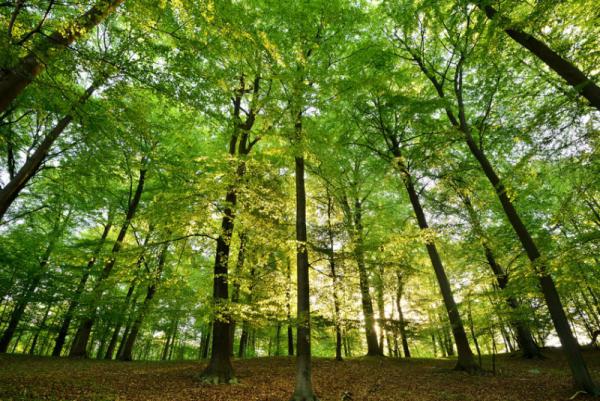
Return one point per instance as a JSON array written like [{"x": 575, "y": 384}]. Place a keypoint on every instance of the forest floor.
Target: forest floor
[{"x": 272, "y": 379}]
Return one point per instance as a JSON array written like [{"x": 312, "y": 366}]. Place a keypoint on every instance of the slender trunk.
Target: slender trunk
[
  {"x": 32, "y": 165},
  {"x": 303, "y": 390},
  {"x": 381, "y": 309},
  {"x": 335, "y": 279},
  {"x": 137, "y": 324},
  {"x": 570, "y": 346},
  {"x": 235, "y": 295},
  {"x": 243, "y": 340},
  {"x": 402, "y": 322},
  {"x": 39, "y": 330},
  {"x": 524, "y": 336},
  {"x": 76, "y": 298},
  {"x": 473, "y": 334},
  {"x": 17, "y": 313},
  {"x": 466, "y": 360},
  {"x": 290, "y": 332},
  {"x": 367, "y": 303},
  {"x": 78, "y": 348},
  {"x": 566, "y": 69},
  {"x": 278, "y": 339},
  {"x": 115, "y": 335},
  {"x": 206, "y": 343},
  {"x": 45, "y": 48},
  {"x": 581, "y": 375}
]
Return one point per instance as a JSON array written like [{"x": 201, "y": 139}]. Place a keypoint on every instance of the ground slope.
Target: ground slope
[{"x": 271, "y": 379}]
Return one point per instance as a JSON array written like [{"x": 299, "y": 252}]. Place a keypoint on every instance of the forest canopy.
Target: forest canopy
[{"x": 221, "y": 179}]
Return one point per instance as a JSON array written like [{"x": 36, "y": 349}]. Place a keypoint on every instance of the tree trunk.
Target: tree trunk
[
  {"x": 235, "y": 295},
  {"x": 335, "y": 279},
  {"x": 466, "y": 360},
  {"x": 403, "y": 336},
  {"x": 137, "y": 324},
  {"x": 17, "y": 313},
  {"x": 32, "y": 165},
  {"x": 39, "y": 330},
  {"x": 78, "y": 348},
  {"x": 290, "y": 332},
  {"x": 524, "y": 336},
  {"x": 74, "y": 302},
  {"x": 113, "y": 339},
  {"x": 303, "y": 390},
  {"x": 566, "y": 69},
  {"x": 367, "y": 303},
  {"x": 570, "y": 346},
  {"x": 46, "y": 48}
]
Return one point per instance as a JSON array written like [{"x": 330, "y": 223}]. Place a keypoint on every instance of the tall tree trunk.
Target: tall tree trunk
[
  {"x": 367, "y": 303},
  {"x": 402, "y": 322},
  {"x": 115, "y": 335},
  {"x": 303, "y": 390},
  {"x": 22, "y": 303},
  {"x": 381, "y": 308},
  {"x": 290, "y": 331},
  {"x": 74, "y": 302},
  {"x": 39, "y": 329},
  {"x": 11, "y": 191},
  {"x": 235, "y": 295},
  {"x": 335, "y": 279},
  {"x": 137, "y": 324},
  {"x": 524, "y": 336},
  {"x": 466, "y": 360},
  {"x": 566, "y": 69},
  {"x": 570, "y": 346},
  {"x": 219, "y": 369},
  {"x": 45, "y": 48},
  {"x": 78, "y": 348}
]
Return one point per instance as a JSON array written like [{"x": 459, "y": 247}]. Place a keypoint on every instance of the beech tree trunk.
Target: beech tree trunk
[
  {"x": 304, "y": 389},
  {"x": 11, "y": 191},
  {"x": 466, "y": 360},
  {"x": 581, "y": 375},
  {"x": 566, "y": 69},
  {"x": 45, "y": 48},
  {"x": 402, "y": 322},
  {"x": 76, "y": 298},
  {"x": 137, "y": 324},
  {"x": 524, "y": 336},
  {"x": 335, "y": 279},
  {"x": 24, "y": 300},
  {"x": 79, "y": 346},
  {"x": 373, "y": 348},
  {"x": 115, "y": 335}
]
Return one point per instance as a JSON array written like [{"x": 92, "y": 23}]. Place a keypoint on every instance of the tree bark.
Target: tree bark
[
  {"x": 581, "y": 375},
  {"x": 466, "y": 360},
  {"x": 367, "y": 303},
  {"x": 74, "y": 302},
  {"x": 304, "y": 389},
  {"x": 137, "y": 324},
  {"x": 17, "y": 313},
  {"x": 566, "y": 69},
  {"x": 335, "y": 279},
  {"x": 115, "y": 335},
  {"x": 78, "y": 348},
  {"x": 46, "y": 48},
  {"x": 219, "y": 369},
  {"x": 524, "y": 336},
  {"x": 402, "y": 322},
  {"x": 11, "y": 191}
]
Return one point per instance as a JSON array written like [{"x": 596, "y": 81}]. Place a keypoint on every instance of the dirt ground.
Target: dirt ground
[{"x": 272, "y": 379}]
